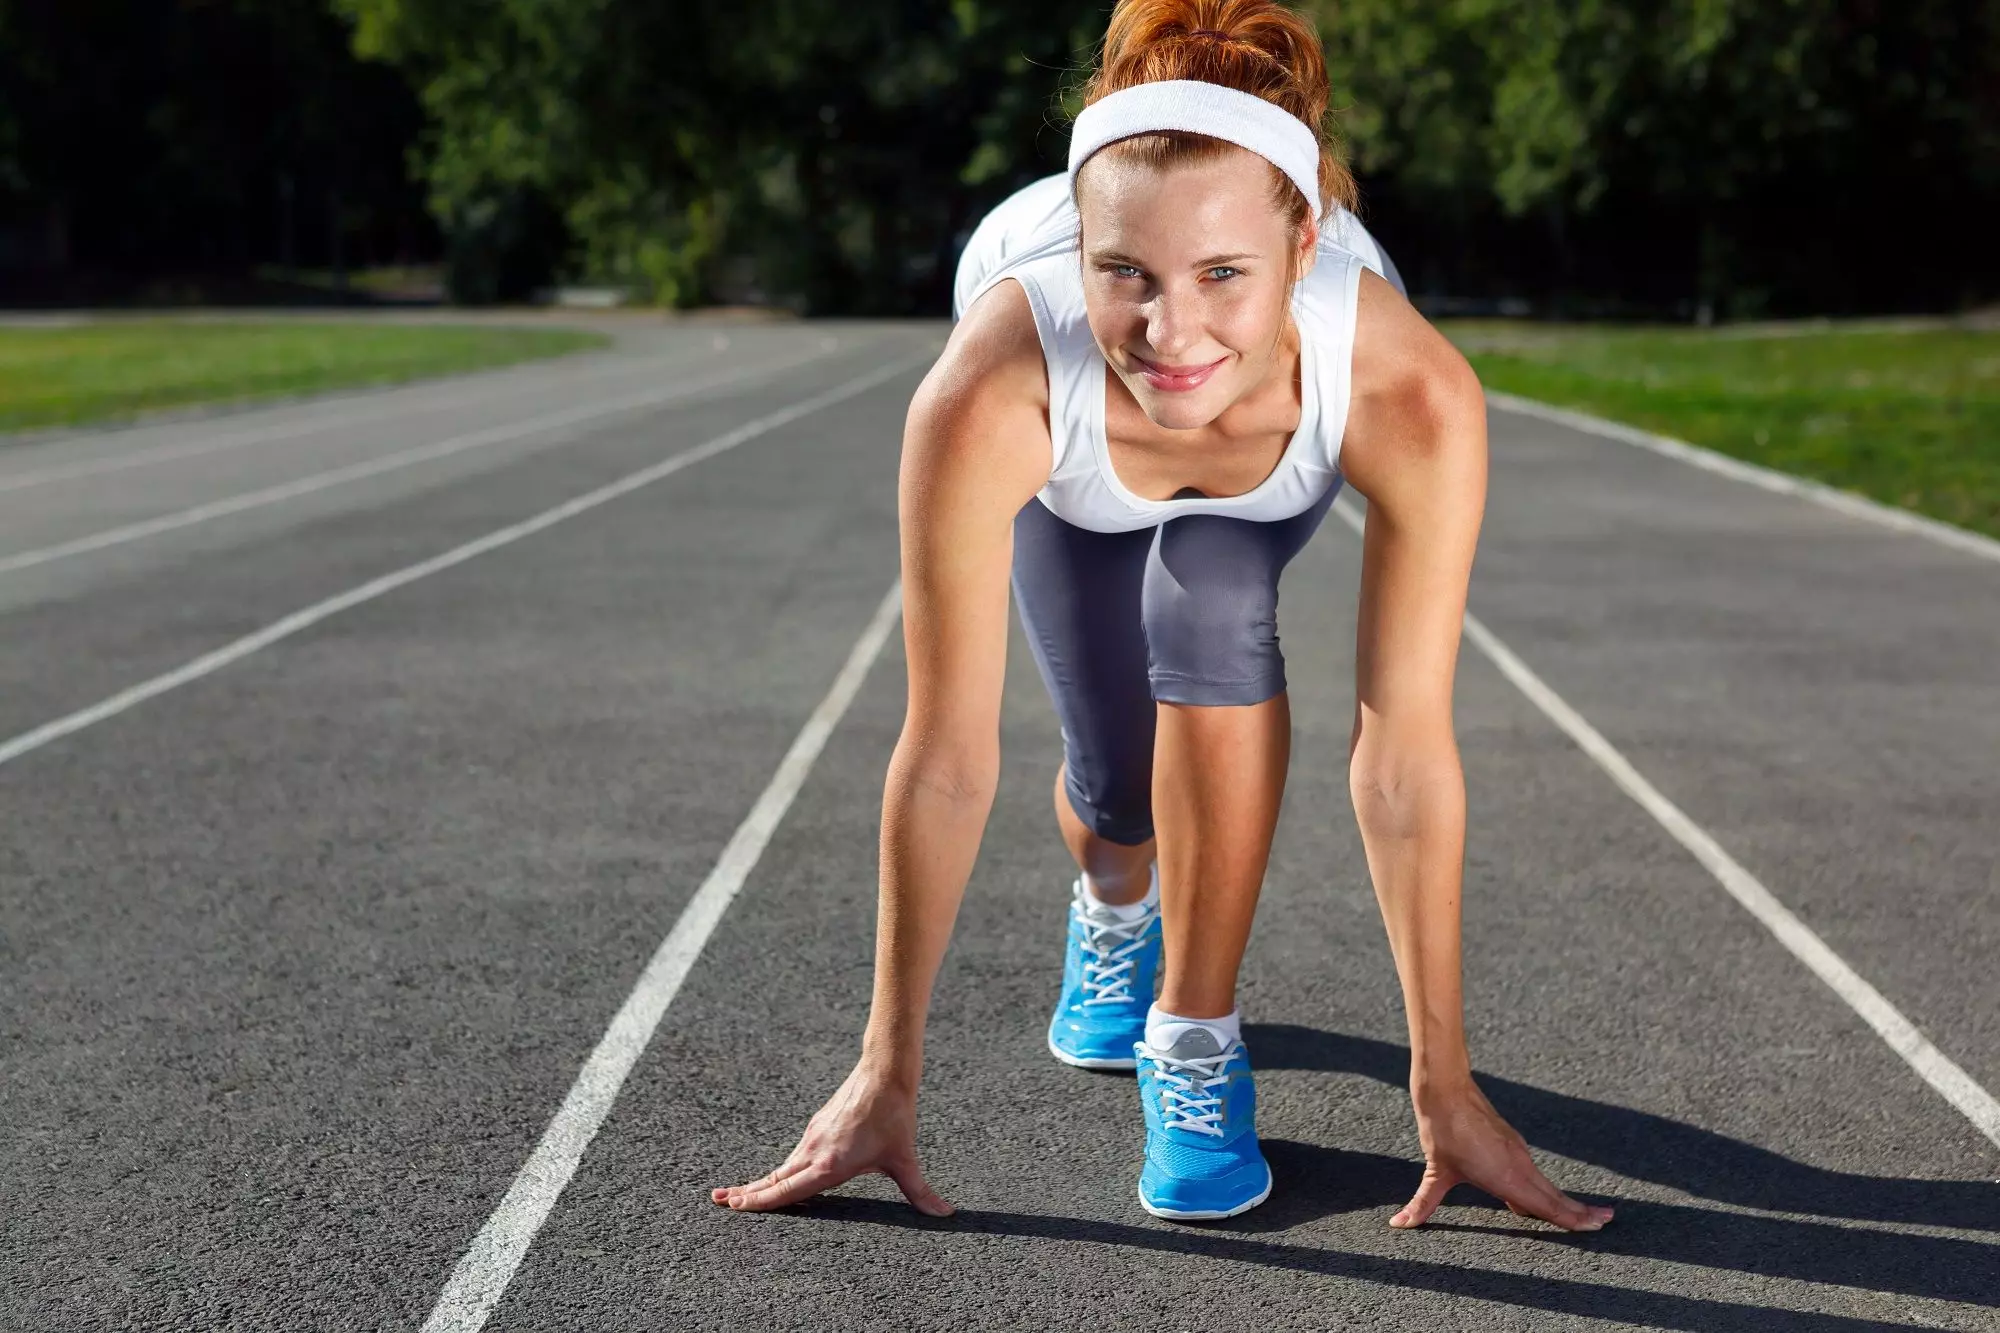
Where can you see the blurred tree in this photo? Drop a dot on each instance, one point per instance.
(1728, 155)
(1710, 155)
(502, 86)
(1723, 156)
(826, 152)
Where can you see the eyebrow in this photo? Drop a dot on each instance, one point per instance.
(1213, 261)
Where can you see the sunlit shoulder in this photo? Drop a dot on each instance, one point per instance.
(984, 404)
(992, 361)
(1416, 402)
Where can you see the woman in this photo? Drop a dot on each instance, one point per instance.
(1144, 412)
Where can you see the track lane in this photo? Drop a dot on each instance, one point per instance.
(1623, 1013)
(72, 535)
(1777, 1167)
(170, 436)
(64, 652)
(309, 947)
(1816, 692)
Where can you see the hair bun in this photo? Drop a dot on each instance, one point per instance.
(1282, 34)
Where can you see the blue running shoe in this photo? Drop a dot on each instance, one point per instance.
(1108, 972)
(1202, 1158)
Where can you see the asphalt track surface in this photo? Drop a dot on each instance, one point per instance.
(299, 957)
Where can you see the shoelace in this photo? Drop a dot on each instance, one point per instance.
(1110, 952)
(1185, 1098)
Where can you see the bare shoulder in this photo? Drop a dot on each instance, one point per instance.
(990, 385)
(976, 444)
(1415, 402)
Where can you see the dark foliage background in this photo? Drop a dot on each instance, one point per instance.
(143, 140)
(1683, 158)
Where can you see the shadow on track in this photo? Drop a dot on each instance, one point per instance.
(1647, 1309)
(1316, 1182)
(1642, 1146)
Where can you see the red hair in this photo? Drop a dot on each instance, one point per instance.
(1254, 46)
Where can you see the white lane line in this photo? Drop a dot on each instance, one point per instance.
(1888, 516)
(210, 663)
(480, 1278)
(319, 481)
(1932, 1065)
(399, 406)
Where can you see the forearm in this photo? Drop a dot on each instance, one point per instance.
(1411, 809)
(933, 816)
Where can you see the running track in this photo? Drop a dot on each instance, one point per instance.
(355, 785)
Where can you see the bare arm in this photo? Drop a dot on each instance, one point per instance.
(1416, 448)
(975, 449)
(974, 452)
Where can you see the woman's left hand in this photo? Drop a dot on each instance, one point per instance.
(1466, 1141)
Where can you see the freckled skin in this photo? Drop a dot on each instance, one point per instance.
(1152, 297)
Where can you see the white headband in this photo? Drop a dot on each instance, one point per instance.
(1195, 107)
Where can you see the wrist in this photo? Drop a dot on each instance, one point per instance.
(892, 1062)
(1440, 1077)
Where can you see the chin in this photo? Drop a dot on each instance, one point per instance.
(1176, 412)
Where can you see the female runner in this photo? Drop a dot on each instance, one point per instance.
(1166, 364)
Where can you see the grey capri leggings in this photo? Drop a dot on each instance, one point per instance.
(1185, 612)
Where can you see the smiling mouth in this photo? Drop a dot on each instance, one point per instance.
(1176, 379)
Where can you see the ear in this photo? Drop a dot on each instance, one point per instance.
(1308, 253)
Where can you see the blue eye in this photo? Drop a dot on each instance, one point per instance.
(1125, 271)
(1225, 270)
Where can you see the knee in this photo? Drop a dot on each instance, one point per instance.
(1212, 629)
(1117, 806)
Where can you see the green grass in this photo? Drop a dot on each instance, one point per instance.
(119, 368)
(1911, 418)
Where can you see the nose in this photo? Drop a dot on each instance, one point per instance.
(1171, 328)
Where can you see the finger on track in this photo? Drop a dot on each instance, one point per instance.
(1425, 1201)
(782, 1173)
(1544, 1201)
(795, 1189)
(909, 1177)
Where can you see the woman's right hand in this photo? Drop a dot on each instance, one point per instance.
(870, 1124)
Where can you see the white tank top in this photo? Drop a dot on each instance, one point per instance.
(1031, 237)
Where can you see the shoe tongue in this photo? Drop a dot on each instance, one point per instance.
(1109, 914)
(1194, 1042)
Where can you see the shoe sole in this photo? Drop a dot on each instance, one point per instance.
(1207, 1214)
(1092, 1061)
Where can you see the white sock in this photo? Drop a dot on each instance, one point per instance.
(1125, 911)
(1164, 1029)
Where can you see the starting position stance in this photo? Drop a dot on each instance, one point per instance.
(1165, 365)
